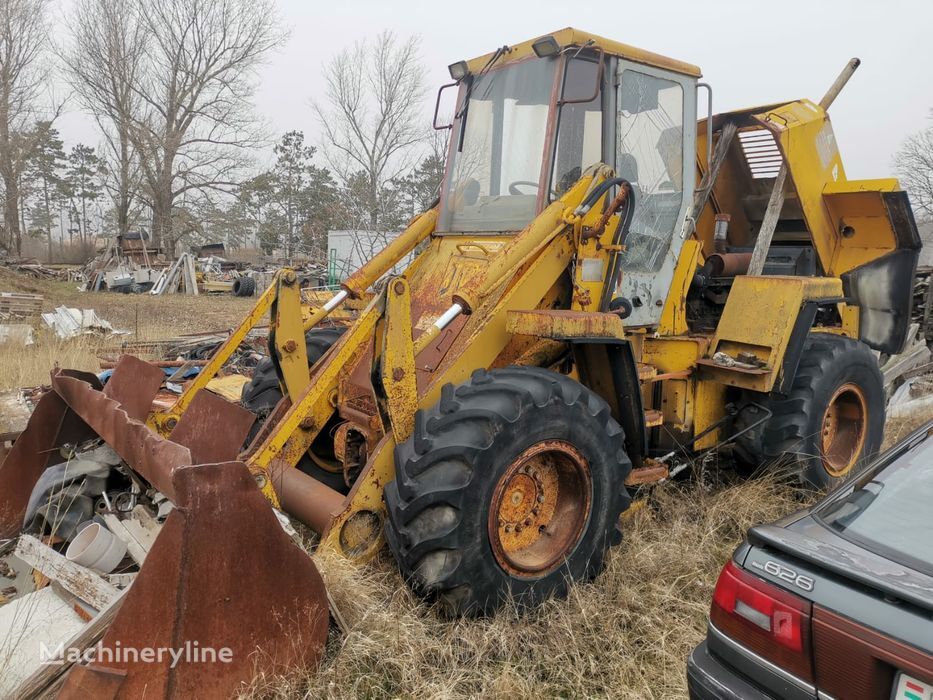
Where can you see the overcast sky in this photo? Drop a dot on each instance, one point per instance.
(751, 53)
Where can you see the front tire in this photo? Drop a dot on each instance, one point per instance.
(831, 420)
(262, 393)
(510, 487)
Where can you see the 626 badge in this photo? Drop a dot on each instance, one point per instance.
(785, 573)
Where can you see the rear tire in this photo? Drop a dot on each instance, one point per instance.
(263, 393)
(831, 420)
(511, 486)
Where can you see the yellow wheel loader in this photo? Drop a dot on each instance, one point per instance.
(608, 288)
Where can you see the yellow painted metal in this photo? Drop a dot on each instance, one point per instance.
(296, 430)
(677, 403)
(164, 422)
(230, 387)
(829, 200)
(758, 319)
(673, 353)
(595, 252)
(216, 286)
(565, 325)
(398, 361)
(850, 319)
(486, 336)
(575, 37)
(356, 284)
(674, 315)
(288, 334)
(709, 406)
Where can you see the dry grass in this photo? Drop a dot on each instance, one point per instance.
(153, 317)
(24, 367)
(626, 634)
(146, 318)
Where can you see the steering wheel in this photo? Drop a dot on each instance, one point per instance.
(513, 187)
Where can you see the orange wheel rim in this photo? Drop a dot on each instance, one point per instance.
(539, 508)
(845, 425)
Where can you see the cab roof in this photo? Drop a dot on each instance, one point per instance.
(575, 37)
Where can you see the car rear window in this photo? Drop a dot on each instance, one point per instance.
(892, 514)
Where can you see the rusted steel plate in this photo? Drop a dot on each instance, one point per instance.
(565, 325)
(647, 475)
(153, 457)
(50, 426)
(221, 575)
(212, 428)
(133, 385)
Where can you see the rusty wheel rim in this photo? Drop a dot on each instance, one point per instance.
(844, 428)
(539, 508)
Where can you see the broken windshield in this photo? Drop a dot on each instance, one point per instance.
(495, 168)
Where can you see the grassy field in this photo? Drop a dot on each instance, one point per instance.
(146, 318)
(625, 635)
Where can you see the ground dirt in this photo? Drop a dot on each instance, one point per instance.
(625, 635)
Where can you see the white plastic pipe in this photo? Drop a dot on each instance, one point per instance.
(96, 548)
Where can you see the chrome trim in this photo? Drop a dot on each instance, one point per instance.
(824, 696)
(748, 653)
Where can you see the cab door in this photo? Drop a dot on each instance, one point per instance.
(655, 142)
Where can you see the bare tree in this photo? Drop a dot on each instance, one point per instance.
(196, 88)
(104, 62)
(177, 86)
(373, 118)
(23, 32)
(914, 165)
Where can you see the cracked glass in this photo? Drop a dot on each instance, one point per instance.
(650, 156)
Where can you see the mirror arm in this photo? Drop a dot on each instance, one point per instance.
(437, 107)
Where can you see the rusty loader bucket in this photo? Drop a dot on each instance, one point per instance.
(222, 574)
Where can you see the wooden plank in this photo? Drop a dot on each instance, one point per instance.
(768, 223)
(19, 304)
(709, 179)
(74, 578)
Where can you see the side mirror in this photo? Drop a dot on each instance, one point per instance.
(437, 107)
(579, 67)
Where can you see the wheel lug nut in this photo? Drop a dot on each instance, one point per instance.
(527, 522)
(518, 528)
(540, 498)
(535, 510)
(508, 528)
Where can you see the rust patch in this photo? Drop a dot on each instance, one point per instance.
(223, 575)
(539, 508)
(133, 385)
(212, 428)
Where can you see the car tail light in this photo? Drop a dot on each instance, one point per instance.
(765, 619)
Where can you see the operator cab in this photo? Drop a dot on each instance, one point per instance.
(531, 118)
